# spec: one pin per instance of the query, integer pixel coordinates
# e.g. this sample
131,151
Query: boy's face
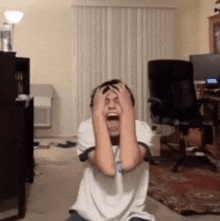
112,113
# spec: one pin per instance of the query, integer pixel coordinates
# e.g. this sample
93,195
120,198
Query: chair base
174,150
176,166
181,161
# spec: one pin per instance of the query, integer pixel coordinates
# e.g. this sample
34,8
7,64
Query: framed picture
214,33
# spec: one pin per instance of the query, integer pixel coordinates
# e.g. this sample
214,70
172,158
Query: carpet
195,190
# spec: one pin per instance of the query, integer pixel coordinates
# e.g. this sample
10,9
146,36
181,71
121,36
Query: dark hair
110,83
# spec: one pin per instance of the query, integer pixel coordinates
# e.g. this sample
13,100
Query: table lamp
7,35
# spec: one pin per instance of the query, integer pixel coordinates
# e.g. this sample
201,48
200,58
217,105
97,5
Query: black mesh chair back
173,102
171,83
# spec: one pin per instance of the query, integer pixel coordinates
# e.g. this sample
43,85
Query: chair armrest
202,101
155,100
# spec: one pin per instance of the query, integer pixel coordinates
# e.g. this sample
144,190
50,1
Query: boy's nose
112,104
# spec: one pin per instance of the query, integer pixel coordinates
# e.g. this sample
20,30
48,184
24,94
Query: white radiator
43,94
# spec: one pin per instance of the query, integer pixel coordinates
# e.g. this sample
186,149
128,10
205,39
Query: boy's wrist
128,111
128,116
98,115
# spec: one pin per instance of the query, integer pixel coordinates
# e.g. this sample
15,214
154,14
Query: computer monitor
205,66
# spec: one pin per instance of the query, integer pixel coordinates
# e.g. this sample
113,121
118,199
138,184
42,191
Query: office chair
173,102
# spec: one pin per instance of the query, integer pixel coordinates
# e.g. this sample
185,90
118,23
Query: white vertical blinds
118,42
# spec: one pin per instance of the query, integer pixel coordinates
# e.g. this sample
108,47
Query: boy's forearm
104,156
130,150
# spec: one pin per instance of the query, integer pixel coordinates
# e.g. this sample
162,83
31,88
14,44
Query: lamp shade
13,17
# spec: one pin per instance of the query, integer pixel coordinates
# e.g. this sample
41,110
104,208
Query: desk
212,108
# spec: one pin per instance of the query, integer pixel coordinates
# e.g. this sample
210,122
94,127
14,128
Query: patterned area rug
194,190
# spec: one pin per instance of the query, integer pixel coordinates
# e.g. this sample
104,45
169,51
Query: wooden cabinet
214,33
14,76
16,150
16,131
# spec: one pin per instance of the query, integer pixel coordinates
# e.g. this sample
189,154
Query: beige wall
187,29
45,35
207,10
192,36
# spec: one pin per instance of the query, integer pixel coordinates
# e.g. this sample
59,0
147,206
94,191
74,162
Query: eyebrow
107,99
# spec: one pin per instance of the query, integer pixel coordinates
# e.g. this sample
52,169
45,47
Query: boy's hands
99,102
124,97
103,157
125,105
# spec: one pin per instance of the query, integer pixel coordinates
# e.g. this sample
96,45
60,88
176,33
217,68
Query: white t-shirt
102,198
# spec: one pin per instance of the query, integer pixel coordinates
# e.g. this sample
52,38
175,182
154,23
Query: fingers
115,88
102,92
120,87
98,95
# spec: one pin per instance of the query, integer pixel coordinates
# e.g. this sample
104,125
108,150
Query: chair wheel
151,162
174,169
154,128
29,179
214,168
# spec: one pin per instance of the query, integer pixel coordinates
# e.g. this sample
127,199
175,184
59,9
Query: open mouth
113,122
112,116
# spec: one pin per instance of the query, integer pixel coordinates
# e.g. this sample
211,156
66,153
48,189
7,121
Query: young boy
114,147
